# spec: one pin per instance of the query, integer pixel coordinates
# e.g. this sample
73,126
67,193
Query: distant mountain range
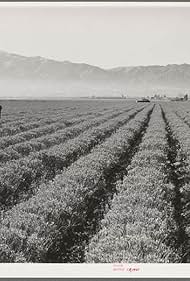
38,72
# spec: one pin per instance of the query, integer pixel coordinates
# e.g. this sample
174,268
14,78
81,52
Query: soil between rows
178,176
69,247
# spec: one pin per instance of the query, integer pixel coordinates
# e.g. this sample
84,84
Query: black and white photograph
95,133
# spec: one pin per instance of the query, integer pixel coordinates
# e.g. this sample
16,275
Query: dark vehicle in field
143,100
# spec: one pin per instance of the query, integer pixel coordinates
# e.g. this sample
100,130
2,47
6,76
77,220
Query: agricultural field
95,181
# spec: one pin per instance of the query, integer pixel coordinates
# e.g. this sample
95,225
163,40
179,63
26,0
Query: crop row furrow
38,115
32,115
179,136
18,178
26,117
22,127
49,226
51,135
48,129
183,116
136,227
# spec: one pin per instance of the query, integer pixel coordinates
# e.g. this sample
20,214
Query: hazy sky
103,36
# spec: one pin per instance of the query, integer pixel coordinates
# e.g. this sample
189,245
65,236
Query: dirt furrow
77,239
178,176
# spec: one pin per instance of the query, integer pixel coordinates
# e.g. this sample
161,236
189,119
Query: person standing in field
0,110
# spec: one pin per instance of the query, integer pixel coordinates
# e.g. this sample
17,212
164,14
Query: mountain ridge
2,52
40,72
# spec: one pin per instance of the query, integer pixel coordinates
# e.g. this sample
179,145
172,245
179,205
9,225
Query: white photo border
46,271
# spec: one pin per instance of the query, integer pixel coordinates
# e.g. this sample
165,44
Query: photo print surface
94,133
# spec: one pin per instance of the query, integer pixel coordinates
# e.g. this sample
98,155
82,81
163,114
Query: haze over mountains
38,77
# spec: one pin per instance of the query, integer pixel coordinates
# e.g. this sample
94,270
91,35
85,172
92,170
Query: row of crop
21,118
180,107
9,118
21,111
52,137
47,115
22,108
46,130
181,133
49,112
136,227
36,122
23,126
184,116
36,132
43,228
18,178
